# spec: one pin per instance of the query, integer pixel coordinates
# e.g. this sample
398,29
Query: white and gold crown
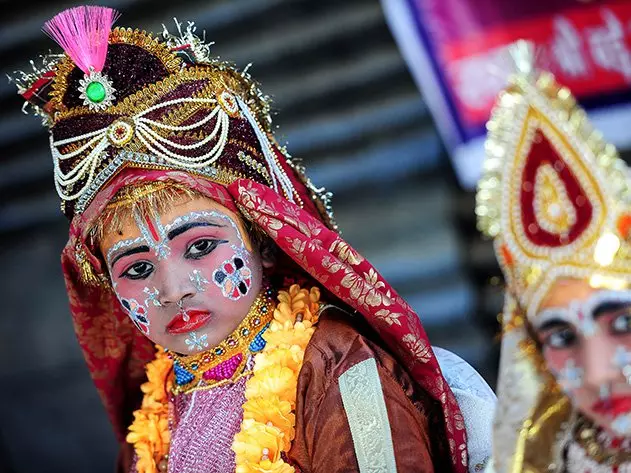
554,195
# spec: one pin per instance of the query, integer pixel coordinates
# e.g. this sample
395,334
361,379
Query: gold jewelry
228,359
131,194
598,445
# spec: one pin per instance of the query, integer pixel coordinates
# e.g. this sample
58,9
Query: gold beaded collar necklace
599,446
227,361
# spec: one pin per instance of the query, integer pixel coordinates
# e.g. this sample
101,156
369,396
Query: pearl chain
161,147
276,173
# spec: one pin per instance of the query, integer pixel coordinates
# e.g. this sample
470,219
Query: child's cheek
234,275
566,370
137,304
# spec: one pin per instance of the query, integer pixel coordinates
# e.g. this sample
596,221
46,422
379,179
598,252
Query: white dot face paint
121,245
152,297
196,343
570,378
165,269
203,216
199,280
621,425
622,361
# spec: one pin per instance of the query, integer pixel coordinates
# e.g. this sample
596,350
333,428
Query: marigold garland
268,413
268,425
149,432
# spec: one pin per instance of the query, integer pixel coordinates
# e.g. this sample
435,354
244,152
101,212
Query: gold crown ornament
120,98
554,195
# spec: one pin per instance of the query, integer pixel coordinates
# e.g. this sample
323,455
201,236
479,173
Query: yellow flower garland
268,425
149,432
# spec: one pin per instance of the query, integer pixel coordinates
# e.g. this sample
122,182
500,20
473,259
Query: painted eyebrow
607,307
550,318
552,323
131,251
187,226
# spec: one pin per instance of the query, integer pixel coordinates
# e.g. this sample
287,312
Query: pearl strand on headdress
144,130
276,172
150,138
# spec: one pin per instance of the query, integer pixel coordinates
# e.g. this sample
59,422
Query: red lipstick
613,407
187,321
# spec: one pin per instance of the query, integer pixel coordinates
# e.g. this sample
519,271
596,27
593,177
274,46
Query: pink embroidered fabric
205,423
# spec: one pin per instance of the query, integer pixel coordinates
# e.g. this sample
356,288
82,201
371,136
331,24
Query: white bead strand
276,173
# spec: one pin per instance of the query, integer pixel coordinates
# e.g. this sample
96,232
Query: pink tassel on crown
83,33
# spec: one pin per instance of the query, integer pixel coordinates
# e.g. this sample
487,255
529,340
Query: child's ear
268,253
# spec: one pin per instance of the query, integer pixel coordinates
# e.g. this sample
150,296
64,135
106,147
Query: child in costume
226,324
556,199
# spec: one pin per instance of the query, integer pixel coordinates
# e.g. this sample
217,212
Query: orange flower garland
268,413
149,433
268,418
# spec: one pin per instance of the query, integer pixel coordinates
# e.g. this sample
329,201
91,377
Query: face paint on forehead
583,319
581,313
153,232
120,245
203,215
607,297
574,315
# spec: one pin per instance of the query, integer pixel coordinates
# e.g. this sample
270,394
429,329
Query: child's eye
202,247
559,339
621,324
139,270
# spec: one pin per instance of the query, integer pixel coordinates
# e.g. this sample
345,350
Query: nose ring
185,316
604,391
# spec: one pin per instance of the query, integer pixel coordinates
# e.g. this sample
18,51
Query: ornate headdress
125,108
557,201
122,98
554,195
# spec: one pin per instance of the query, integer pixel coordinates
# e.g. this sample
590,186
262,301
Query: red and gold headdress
557,201
554,195
125,108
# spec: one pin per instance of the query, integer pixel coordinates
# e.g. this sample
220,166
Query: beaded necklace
592,450
226,361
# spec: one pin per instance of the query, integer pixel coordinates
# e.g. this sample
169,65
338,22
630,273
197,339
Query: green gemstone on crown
95,91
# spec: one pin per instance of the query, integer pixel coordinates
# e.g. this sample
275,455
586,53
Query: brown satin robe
323,442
